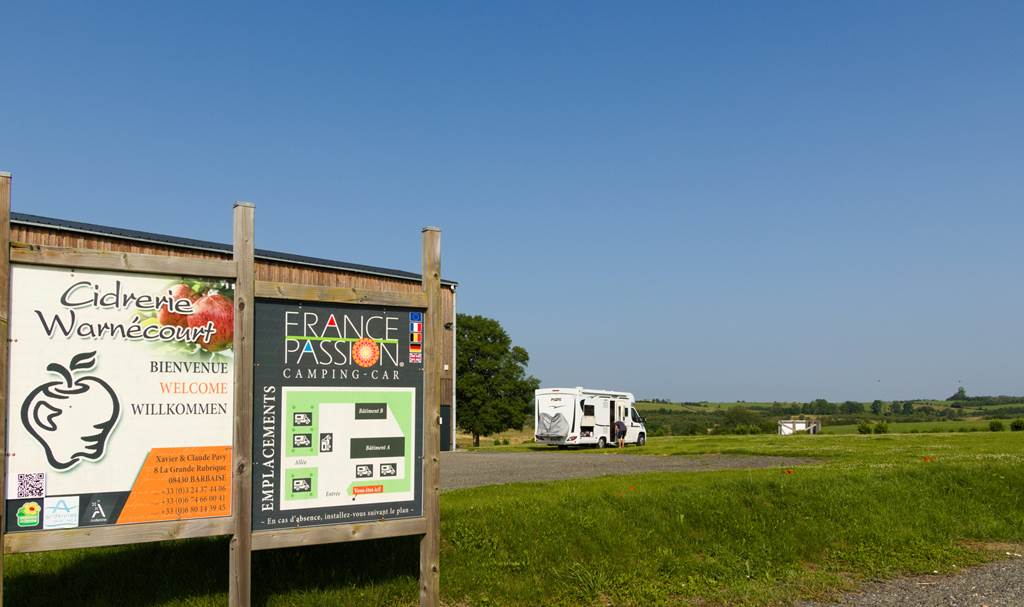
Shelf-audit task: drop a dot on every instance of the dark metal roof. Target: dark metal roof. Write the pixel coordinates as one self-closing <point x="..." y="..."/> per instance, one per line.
<point x="205" y="245"/>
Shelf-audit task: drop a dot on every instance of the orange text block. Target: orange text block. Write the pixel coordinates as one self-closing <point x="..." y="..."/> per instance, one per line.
<point x="181" y="483"/>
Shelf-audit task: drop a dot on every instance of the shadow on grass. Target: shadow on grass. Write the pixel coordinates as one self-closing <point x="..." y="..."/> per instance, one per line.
<point x="195" y="572"/>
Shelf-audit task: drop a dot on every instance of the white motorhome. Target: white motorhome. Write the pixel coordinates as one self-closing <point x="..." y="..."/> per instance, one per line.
<point x="581" y="416"/>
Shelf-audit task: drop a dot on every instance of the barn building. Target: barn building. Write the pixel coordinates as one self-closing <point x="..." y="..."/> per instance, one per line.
<point x="270" y="266"/>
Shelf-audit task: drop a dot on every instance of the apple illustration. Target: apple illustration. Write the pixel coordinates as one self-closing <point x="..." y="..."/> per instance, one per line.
<point x="215" y="308"/>
<point x="164" y="314"/>
<point x="72" y="418"/>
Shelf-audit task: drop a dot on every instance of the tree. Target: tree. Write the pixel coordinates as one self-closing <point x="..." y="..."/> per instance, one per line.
<point x="876" y="407"/>
<point x="820" y="406"/>
<point x="908" y="408"/>
<point x="961" y="394"/>
<point x="493" y="390"/>
<point x="852" y="406"/>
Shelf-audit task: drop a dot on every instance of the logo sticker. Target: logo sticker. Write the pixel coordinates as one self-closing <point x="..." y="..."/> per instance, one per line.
<point x="61" y="512"/>
<point x="28" y="514"/>
<point x="96" y="512"/>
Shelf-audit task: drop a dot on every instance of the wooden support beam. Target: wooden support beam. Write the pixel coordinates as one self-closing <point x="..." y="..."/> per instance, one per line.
<point x="430" y="577"/>
<point x="298" y="292"/>
<point x="65" y="257"/>
<point x="327" y="534"/>
<point x="113" y="535"/>
<point x="240" y="558"/>
<point x="5" y="314"/>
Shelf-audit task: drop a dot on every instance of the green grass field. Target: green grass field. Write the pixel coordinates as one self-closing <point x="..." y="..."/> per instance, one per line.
<point x="905" y="427"/>
<point x="875" y="506"/>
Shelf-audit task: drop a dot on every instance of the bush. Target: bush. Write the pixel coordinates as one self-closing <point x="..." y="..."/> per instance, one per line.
<point x="747" y="429"/>
<point x="504" y="441"/>
<point x="996" y="426"/>
<point x="881" y="428"/>
<point x="497" y="442"/>
<point x="1017" y="425"/>
<point x="864" y="428"/>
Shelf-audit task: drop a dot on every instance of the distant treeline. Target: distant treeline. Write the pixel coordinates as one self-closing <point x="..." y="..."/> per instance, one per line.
<point x="981" y="401"/>
<point x="756" y="418"/>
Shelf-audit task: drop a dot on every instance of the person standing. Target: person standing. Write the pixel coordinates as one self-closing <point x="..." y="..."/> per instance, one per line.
<point x="620" y="433"/>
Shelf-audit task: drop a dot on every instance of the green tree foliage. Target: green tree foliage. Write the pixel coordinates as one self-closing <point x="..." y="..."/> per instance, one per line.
<point x="961" y="394"/>
<point x="864" y="427"/>
<point x="820" y="406"/>
<point x="493" y="392"/>
<point x="851" y="406"/>
<point x="908" y="408"/>
<point x="996" y="426"/>
<point x="876" y="407"/>
<point x="1017" y="425"/>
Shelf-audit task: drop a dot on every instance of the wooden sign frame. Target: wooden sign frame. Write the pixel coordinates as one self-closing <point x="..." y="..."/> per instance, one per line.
<point x="241" y="268"/>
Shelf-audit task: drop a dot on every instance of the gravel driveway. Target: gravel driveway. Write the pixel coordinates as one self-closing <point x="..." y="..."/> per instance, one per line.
<point x="999" y="584"/>
<point x="461" y="469"/>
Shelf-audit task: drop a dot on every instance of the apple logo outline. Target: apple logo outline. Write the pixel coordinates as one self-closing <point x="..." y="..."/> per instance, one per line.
<point x="43" y="419"/>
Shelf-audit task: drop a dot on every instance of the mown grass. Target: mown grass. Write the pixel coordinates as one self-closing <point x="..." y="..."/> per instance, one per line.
<point x="876" y="505"/>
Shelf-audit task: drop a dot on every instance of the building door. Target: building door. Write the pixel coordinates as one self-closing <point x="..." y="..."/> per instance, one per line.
<point x="446" y="427"/>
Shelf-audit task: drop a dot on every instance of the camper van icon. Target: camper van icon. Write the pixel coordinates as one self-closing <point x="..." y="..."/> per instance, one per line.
<point x="302" y="418"/>
<point x="388" y="470"/>
<point x="301" y="440"/>
<point x="364" y="470"/>
<point x="301" y="485"/>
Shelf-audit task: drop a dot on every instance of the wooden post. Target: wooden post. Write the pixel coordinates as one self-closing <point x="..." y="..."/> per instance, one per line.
<point x="5" y="302"/>
<point x="240" y="578"/>
<point x="430" y="576"/>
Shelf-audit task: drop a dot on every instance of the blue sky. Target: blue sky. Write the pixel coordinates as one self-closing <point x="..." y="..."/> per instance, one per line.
<point x="693" y="201"/>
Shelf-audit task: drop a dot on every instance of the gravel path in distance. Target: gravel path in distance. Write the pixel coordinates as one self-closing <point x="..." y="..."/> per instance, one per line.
<point x="998" y="584"/>
<point x="462" y="469"/>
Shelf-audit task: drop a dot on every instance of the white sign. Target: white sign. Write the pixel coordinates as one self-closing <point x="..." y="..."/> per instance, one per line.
<point x="121" y="396"/>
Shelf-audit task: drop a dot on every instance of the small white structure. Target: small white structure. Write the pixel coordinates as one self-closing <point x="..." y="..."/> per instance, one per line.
<point x="795" y="426"/>
<point x="581" y="416"/>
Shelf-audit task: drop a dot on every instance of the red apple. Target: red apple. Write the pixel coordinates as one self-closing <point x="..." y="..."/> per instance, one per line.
<point x="164" y="314"/>
<point x="220" y="311"/>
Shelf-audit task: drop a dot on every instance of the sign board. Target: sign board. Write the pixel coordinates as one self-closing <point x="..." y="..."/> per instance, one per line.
<point x="121" y="398"/>
<point x="337" y="414"/>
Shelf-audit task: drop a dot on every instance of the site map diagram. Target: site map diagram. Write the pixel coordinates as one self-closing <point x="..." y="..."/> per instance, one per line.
<point x="346" y="445"/>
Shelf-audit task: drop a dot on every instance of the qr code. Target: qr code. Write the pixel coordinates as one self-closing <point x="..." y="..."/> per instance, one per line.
<point x="32" y="485"/>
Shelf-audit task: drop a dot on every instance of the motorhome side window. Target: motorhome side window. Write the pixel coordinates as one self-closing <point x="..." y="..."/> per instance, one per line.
<point x="636" y="416"/>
